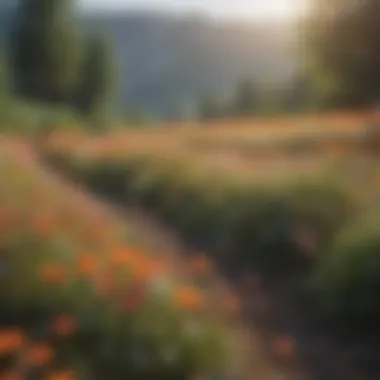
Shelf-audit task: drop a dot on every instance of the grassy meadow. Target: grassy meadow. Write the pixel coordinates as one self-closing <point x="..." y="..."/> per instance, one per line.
<point x="277" y="196"/>
<point x="79" y="289"/>
<point x="87" y="297"/>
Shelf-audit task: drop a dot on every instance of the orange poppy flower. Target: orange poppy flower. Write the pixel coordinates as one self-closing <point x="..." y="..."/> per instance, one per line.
<point x="39" y="354"/>
<point x="62" y="375"/>
<point x="64" y="325"/>
<point x="285" y="347"/>
<point x="11" y="375"/>
<point x="142" y="269"/>
<point x="120" y="256"/>
<point x="10" y="341"/>
<point x="87" y="265"/>
<point x="189" y="298"/>
<point x="126" y="256"/>
<point x="53" y="274"/>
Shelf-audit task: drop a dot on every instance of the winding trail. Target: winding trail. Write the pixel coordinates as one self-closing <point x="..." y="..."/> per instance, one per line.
<point x="267" y="312"/>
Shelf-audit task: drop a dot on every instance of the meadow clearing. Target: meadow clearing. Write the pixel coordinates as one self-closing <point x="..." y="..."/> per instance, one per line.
<point x="285" y="286"/>
<point x="295" y="203"/>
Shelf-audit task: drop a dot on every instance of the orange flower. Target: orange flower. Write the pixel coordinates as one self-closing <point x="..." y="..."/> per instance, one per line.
<point x="64" y="326"/>
<point x="285" y="347"/>
<point x="10" y="375"/>
<point x="200" y="265"/>
<point x="87" y="265"/>
<point x="120" y="256"/>
<point x="188" y="298"/>
<point x="126" y="256"/>
<point x="10" y="341"/>
<point x="53" y="274"/>
<point x="39" y="354"/>
<point x="62" y="375"/>
<point x="142" y="269"/>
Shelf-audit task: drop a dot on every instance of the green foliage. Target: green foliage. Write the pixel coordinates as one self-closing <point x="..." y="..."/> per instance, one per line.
<point x="4" y="84"/>
<point x="98" y="78"/>
<point x="45" y="53"/>
<point x="53" y="68"/>
<point x="342" y="52"/>
<point x="346" y="279"/>
<point x="257" y="224"/>
<point x="19" y="116"/>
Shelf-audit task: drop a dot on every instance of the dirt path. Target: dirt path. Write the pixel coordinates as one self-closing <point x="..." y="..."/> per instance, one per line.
<point x="268" y="312"/>
<point x="256" y="361"/>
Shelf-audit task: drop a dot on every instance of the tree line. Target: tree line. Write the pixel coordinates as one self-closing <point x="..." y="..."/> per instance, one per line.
<point x="50" y="63"/>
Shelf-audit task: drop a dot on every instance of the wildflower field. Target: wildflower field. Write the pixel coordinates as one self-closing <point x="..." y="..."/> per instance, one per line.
<point x="83" y="298"/>
<point x="282" y="217"/>
<point x="316" y="222"/>
<point x="87" y="296"/>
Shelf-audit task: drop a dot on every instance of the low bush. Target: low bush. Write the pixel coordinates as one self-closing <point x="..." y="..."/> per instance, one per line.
<point x="262" y="225"/>
<point x="347" y="277"/>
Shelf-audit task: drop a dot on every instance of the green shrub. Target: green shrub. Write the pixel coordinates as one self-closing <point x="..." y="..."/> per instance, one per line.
<point x="255" y="222"/>
<point x="347" y="277"/>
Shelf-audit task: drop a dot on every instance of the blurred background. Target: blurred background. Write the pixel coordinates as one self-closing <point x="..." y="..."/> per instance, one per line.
<point x="189" y="189"/>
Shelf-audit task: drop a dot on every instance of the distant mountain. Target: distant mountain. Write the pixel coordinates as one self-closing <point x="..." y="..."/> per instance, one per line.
<point x="168" y="62"/>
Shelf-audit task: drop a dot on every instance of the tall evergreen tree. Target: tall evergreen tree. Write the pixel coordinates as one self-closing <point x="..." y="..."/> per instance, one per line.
<point x="98" y="77"/>
<point x="45" y="51"/>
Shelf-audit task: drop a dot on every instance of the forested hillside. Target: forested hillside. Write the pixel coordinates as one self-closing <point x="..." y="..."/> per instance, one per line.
<point x="168" y="62"/>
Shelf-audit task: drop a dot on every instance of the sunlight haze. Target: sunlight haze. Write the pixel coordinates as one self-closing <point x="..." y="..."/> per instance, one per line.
<point x="269" y="9"/>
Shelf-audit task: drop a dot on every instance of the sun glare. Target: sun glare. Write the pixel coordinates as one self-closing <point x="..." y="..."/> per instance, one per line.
<point x="268" y="9"/>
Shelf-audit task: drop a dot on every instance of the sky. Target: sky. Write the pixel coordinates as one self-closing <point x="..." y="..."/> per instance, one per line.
<point x="263" y="9"/>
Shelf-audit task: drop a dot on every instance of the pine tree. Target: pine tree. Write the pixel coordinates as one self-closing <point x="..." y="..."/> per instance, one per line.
<point x="45" y="51"/>
<point x="98" y="78"/>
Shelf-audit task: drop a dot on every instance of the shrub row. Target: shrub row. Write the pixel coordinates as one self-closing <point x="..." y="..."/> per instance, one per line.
<point x="262" y="223"/>
<point x="316" y="226"/>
